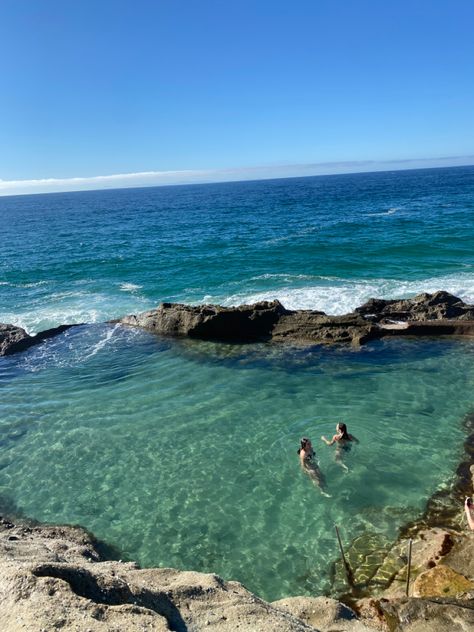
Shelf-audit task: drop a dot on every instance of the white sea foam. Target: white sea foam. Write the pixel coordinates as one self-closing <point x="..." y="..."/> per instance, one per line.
<point x="24" y="285"/>
<point x="73" y="307"/>
<point x="340" y="296"/>
<point x="389" y="211"/>
<point x="130" y="287"/>
<point x="101" y="343"/>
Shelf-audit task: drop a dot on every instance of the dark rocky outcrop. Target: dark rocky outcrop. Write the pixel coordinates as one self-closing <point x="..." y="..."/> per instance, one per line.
<point x="435" y="314"/>
<point x="438" y="314"/>
<point x="438" y="306"/>
<point x="10" y="336"/>
<point x="14" y="339"/>
<point x="211" y="322"/>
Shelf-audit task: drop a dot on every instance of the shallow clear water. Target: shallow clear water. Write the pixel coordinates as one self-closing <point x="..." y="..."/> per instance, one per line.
<point x="183" y="453"/>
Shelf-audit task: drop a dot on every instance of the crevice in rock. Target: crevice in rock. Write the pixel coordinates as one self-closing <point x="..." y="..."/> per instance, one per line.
<point x="113" y="591"/>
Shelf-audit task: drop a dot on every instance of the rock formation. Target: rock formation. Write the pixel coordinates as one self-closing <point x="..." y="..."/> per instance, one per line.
<point x="54" y="577"/>
<point x="435" y="314"/>
<point x="13" y="339"/>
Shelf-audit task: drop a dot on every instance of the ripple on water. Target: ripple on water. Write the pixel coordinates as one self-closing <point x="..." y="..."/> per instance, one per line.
<point x="184" y="453"/>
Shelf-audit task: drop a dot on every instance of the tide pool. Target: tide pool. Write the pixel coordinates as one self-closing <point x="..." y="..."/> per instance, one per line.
<point x="183" y="453"/>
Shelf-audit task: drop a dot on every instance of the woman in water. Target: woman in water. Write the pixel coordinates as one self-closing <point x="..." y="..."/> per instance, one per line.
<point x="343" y="440"/>
<point x="310" y="465"/>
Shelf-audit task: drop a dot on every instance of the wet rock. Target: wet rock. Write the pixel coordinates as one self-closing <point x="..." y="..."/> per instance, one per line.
<point x="245" y="323"/>
<point x="14" y="339"/>
<point x="249" y="323"/>
<point x="425" y="315"/>
<point x="10" y="336"/>
<point x="438" y="306"/>
<point x="317" y="327"/>
<point x="441" y="581"/>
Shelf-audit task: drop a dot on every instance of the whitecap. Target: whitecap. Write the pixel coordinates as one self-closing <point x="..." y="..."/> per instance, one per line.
<point x="341" y="296"/>
<point x="130" y="287"/>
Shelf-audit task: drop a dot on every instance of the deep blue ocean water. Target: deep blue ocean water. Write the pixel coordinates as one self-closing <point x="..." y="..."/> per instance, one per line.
<point x="183" y="453"/>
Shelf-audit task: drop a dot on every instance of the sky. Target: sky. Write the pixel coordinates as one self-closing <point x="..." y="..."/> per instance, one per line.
<point x="110" y="93"/>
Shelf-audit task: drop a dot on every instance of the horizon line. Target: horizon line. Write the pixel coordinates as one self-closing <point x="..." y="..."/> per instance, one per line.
<point x="213" y="176"/>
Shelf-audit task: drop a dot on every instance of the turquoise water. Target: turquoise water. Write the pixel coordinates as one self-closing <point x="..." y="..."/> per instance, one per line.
<point x="183" y="453"/>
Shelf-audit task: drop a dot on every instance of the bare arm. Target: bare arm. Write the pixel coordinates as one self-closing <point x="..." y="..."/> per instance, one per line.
<point x="333" y="440"/>
<point x="302" y="455"/>
<point x="470" y="519"/>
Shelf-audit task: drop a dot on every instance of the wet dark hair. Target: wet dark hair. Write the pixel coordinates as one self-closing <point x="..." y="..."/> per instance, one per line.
<point x="343" y="428"/>
<point x="303" y="442"/>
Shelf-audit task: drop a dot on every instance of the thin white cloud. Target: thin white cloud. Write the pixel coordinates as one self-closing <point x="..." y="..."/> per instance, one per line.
<point x="157" y="178"/>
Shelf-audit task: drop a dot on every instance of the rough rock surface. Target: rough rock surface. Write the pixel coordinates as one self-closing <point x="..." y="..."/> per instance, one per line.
<point x="55" y="578"/>
<point x="14" y="339"/>
<point x="10" y="336"/>
<point x="323" y="613"/>
<point x="438" y="306"/>
<point x="418" y="615"/>
<point x="211" y="322"/>
<point x="52" y="578"/>
<point x="435" y="314"/>
<point x="441" y="581"/>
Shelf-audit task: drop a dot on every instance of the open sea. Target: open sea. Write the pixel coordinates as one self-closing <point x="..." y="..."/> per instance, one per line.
<point x="184" y="453"/>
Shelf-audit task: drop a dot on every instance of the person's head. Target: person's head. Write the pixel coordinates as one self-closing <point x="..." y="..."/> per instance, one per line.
<point x="305" y="443"/>
<point x="341" y="428"/>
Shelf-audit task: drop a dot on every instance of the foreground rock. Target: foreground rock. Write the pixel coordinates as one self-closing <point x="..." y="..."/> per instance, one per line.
<point x="435" y="314"/>
<point x="55" y="578"/>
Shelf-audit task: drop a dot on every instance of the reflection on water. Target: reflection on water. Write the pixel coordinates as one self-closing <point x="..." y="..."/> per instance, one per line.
<point x="184" y="454"/>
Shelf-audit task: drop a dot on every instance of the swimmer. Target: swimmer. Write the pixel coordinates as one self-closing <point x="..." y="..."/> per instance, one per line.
<point x="310" y="466"/>
<point x="343" y="440"/>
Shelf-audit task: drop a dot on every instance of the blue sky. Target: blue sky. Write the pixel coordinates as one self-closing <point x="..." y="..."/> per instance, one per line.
<point x="119" y="87"/>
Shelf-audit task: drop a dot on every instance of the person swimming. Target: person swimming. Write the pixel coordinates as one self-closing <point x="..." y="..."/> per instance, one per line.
<point x="310" y="466"/>
<point x="343" y="440"/>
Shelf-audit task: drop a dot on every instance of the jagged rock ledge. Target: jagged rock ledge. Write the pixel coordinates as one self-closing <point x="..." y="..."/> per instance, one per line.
<point x="437" y="314"/>
<point x="54" y="577"/>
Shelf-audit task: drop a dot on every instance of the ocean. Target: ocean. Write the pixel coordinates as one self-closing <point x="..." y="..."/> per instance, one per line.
<point x="183" y="453"/>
